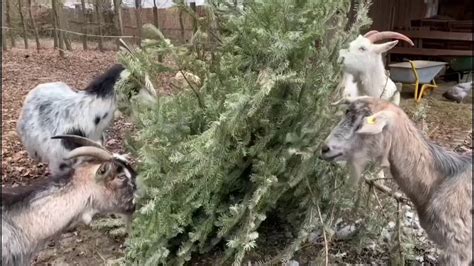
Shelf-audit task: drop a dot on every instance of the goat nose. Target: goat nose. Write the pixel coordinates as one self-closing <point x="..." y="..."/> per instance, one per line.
<point x="325" y="148"/>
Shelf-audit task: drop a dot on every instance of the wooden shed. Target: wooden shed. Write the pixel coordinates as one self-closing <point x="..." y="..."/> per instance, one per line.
<point x="440" y="29"/>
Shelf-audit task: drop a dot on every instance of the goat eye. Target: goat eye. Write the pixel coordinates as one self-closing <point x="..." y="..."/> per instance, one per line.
<point x="358" y="127"/>
<point x="347" y="111"/>
<point x="362" y="49"/>
<point x="102" y="169"/>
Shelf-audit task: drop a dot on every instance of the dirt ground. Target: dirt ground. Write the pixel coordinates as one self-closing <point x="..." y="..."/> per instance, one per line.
<point x="448" y="124"/>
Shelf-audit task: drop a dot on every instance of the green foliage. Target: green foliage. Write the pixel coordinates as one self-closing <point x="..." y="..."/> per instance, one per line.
<point x="217" y="159"/>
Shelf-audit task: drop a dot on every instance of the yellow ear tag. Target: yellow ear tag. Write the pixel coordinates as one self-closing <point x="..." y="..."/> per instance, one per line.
<point x="371" y="120"/>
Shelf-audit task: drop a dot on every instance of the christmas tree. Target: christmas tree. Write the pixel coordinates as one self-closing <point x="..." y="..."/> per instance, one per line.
<point x="241" y="142"/>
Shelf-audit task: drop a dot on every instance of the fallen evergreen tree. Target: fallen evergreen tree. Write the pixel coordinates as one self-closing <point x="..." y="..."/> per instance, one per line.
<point x="217" y="158"/>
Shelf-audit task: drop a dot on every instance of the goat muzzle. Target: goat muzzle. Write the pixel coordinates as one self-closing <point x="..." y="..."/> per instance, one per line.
<point x="375" y="36"/>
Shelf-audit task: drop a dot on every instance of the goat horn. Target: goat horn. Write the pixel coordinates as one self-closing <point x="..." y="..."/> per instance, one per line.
<point x="95" y="152"/>
<point x="124" y="45"/>
<point x="378" y="36"/>
<point x="348" y="100"/>
<point x="341" y="101"/>
<point x="370" y="33"/>
<point x="79" y="140"/>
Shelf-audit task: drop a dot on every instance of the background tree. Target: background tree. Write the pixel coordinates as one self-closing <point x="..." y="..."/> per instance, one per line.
<point x="155" y="14"/>
<point x="118" y="17"/>
<point x="4" y="30"/>
<point x="64" y="26"/>
<point x="9" y="23"/>
<point x="237" y="152"/>
<point x="23" y="23"/>
<point x="33" y="25"/>
<point x="98" y="11"/>
<point x="57" y="27"/>
<point x="85" y="24"/>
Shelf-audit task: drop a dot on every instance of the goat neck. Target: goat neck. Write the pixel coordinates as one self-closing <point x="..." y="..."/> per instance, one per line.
<point x="411" y="161"/>
<point x="55" y="209"/>
<point x="372" y="79"/>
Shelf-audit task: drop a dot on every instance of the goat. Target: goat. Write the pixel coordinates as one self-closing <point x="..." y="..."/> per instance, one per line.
<point x="364" y="71"/>
<point x="102" y="182"/>
<point x="438" y="182"/>
<point x="54" y="109"/>
<point x="458" y="92"/>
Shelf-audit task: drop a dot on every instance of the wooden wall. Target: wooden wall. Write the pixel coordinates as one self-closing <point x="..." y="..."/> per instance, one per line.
<point x="395" y="14"/>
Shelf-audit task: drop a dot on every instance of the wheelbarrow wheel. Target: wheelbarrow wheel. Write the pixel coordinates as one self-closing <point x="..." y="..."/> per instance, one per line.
<point x="427" y="91"/>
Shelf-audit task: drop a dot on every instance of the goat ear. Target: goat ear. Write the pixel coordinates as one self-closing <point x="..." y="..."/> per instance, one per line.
<point x="385" y="47"/>
<point x="375" y="124"/>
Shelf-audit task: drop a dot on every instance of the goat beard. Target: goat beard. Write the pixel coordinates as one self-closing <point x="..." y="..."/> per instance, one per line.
<point x="357" y="166"/>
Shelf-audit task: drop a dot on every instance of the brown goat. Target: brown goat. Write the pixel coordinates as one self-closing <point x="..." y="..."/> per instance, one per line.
<point x="439" y="182"/>
<point x="102" y="182"/>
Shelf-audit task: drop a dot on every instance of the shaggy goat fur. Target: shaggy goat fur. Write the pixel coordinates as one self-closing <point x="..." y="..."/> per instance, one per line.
<point x="437" y="181"/>
<point x="54" y="109"/>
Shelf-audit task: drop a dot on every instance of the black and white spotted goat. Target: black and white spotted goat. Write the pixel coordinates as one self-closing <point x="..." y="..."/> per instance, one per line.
<point x="100" y="182"/>
<point x="54" y="109"/>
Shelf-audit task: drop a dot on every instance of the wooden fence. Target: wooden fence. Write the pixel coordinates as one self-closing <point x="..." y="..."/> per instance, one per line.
<point x="174" y="24"/>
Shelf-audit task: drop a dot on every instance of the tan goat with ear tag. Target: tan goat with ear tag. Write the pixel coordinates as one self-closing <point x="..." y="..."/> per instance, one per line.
<point x="437" y="181"/>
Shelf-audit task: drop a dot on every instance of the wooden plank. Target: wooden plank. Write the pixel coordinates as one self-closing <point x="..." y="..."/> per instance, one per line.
<point x="430" y="52"/>
<point x="440" y="35"/>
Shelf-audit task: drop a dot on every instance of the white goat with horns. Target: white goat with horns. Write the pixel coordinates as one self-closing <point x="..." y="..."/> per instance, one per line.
<point x="364" y="71"/>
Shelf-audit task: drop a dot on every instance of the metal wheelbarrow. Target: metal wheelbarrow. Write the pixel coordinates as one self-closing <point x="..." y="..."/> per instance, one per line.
<point x="415" y="73"/>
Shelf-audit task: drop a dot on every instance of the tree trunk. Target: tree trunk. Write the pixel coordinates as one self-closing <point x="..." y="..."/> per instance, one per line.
<point x="9" y="23"/>
<point x="118" y="18"/>
<point x="98" y="13"/>
<point x="54" y="23"/>
<point x="84" y="25"/>
<point x="33" y="24"/>
<point x="58" y="28"/>
<point x="4" y="31"/>
<point x="155" y="14"/>
<point x="181" y="25"/>
<point x="23" y="24"/>
<point x="64" y="26"/>
<point x="138" y="6"/>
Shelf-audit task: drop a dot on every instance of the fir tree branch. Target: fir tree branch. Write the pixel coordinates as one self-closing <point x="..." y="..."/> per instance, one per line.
<point x="395" y="195"/>
<point x="196" y="93"/>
